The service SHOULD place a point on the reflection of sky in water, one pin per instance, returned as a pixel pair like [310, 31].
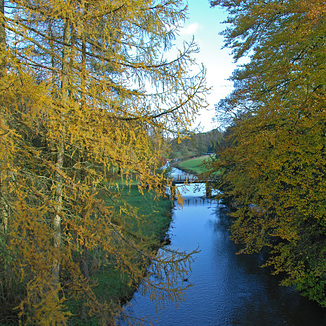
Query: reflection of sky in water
[192, 190]
[228, 289]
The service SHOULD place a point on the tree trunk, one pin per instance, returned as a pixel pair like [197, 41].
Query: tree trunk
[2, 35]
[4, 209]
[60, 155]
[57, 217]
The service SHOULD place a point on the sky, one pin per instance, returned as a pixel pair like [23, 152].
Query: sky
[205, 23]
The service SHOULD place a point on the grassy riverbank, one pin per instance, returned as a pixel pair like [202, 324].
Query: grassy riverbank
[194, 165]
[114, 285]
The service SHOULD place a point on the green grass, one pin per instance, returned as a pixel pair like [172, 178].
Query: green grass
[154, 221]
[155, 213]
[110, 284]
[194, 165]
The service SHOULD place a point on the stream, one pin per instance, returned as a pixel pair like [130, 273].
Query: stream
[228, 289]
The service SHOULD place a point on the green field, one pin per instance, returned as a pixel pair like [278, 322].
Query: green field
[194, 165]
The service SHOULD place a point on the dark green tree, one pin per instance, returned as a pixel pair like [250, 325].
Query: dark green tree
[273, 163]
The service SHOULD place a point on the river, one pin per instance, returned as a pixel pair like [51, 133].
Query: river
[228, 289]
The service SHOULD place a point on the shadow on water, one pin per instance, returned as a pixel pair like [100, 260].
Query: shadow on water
[260, 300]
[228, 289]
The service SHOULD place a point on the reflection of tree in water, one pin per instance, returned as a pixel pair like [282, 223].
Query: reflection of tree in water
[196, 190]
[197, 201]
[223, 219]
[228, 289]
[260, 299]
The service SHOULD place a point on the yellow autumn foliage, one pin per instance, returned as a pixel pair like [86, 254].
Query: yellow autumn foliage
[87, 99]
[273, 160]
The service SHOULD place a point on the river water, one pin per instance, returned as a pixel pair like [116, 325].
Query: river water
[228, 289]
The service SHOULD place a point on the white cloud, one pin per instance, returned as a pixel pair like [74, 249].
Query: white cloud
[190, 29]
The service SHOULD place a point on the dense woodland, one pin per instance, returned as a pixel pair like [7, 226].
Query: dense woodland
[195, 144]
[273, 160]
[87, 99]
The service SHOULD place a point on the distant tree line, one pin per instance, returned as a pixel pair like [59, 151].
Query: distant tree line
[195, 144]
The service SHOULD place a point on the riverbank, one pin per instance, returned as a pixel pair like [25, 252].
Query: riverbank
[114, 285]
[193, 165]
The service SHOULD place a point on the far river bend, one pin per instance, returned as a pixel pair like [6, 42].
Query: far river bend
[228, 289]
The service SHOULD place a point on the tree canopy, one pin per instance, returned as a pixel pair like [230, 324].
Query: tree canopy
[195, 144]
[273, 162]
[87, 98]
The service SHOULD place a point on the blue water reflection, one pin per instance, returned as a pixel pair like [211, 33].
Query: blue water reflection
[228, 289]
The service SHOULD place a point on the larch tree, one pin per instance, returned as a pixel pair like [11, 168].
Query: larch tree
[87, 95]
[273, 164]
